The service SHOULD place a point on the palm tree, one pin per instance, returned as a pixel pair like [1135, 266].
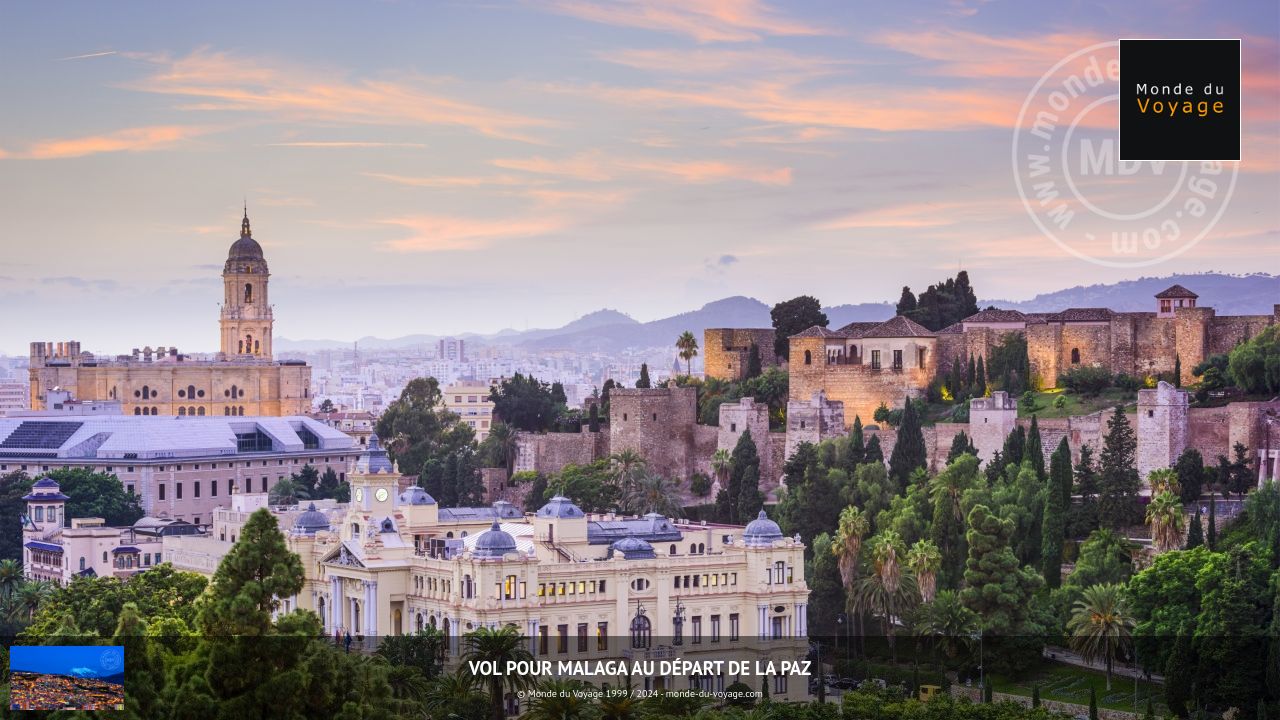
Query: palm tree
[688, 346]
[1167, 520]
[886, 554]
[559, 699]
[652, 493]
[848, 542]
[1100, 625]
[10, 577]
[451, 691]
[29, 597]
[623, 707]
[948, 621]
[888, 591]
[1164, 479]
[721, 463]
[626, 465]
[504, 439]
[500, 646]
[924, 559]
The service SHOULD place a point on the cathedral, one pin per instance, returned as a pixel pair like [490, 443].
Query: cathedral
[241, 379]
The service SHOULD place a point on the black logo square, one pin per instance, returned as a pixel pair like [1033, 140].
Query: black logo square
[1179, 99]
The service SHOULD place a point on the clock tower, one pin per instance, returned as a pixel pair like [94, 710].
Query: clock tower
[246, 311]
[374, 482]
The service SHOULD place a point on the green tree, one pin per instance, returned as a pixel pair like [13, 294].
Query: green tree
[499, 646]
[1034, 452]
[1167, 521]
[526, 403]
[287, 492]
[847, 543]
[997, 588]
[909, 452]
[326, 406]
[874, 454]
[1254, 365]
[1105, 557]
[308, 479]
[906, 302]
[793, 316]
[644, 381]
[593, 423]
[1015, 447]
[1009, 366]
[1118, 481]
[1100, 626]
[95, 494]
[1211, 537]
[1190, 469]
[687, 344]
[417, 428]
[960, 444]
[947, 490]
[942, 303]
[743, 458]
[924, 559]
[1055, 515]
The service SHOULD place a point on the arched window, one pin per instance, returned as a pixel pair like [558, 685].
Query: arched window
[104, 556]
[182, 411]
[468, 587]
[702, 548]
[200, 411]
[191, 391]
[248, 342]
[191, 411]
[1075, 356]
[248, 292]
[146, 392]
[240, 348]
[419, 623]
[673, 550]
[82, 563]
[257, 347]
[808, 358]
[137, 411]
[39, 513]
[641, 632]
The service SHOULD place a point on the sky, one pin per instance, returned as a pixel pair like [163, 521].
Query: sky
[452, 167]
[79, 660]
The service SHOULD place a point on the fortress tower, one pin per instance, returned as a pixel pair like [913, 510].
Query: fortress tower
[1162, 428]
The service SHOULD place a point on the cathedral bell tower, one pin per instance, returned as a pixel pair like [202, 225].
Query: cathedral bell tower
[246, 310]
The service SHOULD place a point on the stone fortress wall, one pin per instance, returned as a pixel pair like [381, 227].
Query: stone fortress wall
[725, 351]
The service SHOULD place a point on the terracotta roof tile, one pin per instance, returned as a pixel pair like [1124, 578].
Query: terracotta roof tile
[996, 315]
[1176, 291]
[899, 327]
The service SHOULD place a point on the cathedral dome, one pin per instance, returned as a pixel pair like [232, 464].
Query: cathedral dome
[246, 248]
[761, 532]
[494, 543]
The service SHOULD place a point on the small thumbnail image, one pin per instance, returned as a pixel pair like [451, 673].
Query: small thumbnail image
[66, 677]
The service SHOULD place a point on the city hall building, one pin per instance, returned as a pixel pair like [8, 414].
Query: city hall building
[578, 586]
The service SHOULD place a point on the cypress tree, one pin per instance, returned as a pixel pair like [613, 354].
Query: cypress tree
[1055, 515]
[971, 374]
[1118, 481]
[986, 691]
[909, 451]
[1177, 371]
[1211, 537]
[857, 447]
[994, 469]
[1035, 696]
[956, 382]
[1093, 704]
[1195, 533]
[744, 457]
[1150, 714]
[593, 418]
[980, 378]
[751, 501]
[754, 365]
[874, 453]
[1015, 447]
[960, 445]
[1034, 450]
[643, 382]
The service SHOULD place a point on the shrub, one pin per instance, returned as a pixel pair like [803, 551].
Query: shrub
[1087, 380]
[1128, 382]
[700, 485]
[1060, 402]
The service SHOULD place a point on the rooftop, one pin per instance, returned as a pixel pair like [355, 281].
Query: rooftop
[1175, 291]
[142, 437]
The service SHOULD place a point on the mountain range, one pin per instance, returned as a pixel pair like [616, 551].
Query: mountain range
[611, 331]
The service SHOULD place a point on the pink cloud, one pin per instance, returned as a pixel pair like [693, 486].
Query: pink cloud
[703, 20]
[140, 139]
[301, 94]
[595, 166]
[454, 181]
[440, 233]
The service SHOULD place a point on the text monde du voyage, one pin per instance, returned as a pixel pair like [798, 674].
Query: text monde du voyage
[1179, 99]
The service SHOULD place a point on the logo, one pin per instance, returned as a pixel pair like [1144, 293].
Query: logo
[111, 659]
[1079, 193]
[1180, 100]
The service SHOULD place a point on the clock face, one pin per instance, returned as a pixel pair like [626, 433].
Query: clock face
[381, 494]
[359, 494]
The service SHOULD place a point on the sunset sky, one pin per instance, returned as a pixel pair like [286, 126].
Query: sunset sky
[453, 167]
